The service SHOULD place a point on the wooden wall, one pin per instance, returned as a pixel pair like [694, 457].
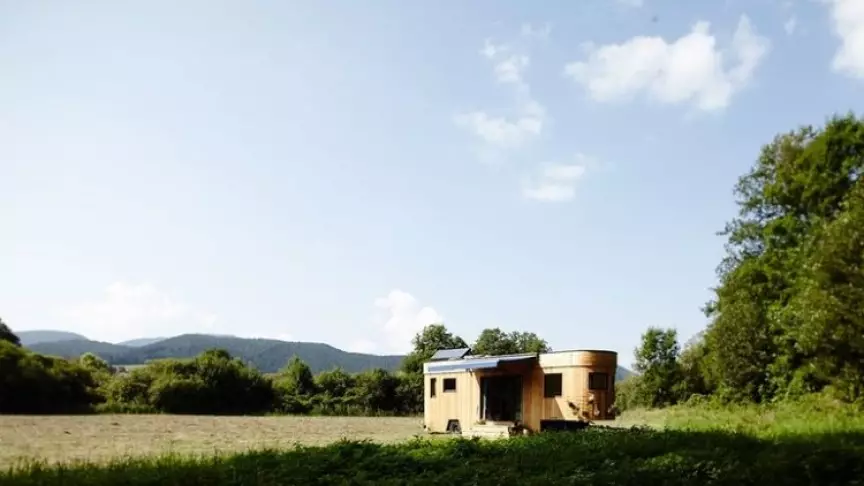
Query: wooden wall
[574, 366]
[438, 410]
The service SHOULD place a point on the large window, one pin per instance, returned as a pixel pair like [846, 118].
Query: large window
[432, 382]
[552, 385]
[598, 381]
[449, 384]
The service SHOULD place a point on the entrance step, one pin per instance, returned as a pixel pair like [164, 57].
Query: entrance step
[489, 431]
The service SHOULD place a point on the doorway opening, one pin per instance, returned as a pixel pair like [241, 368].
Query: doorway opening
[501, 398]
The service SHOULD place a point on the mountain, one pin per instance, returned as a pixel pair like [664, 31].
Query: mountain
[76, 347]
[268, 355]
[137, 343]
[35, 337]
[623, 373]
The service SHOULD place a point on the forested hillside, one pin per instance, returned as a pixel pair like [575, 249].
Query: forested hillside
[268, 355]
[29, 338]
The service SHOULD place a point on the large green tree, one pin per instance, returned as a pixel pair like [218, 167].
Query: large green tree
[495, 342]
[432, 338]
[657, 363]
[790, 270]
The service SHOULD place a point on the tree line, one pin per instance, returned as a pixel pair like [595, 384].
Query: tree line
[215, 382]
[787, 317]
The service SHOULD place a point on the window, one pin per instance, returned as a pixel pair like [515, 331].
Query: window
[552, 385]
[598, 381]
[449, 384]
[432, 387]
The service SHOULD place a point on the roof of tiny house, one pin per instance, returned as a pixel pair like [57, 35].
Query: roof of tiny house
[476, 362]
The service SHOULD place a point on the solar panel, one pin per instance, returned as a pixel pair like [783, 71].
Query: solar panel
[446, 354]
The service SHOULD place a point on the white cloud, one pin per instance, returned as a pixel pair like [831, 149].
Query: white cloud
[491, 51]
[510, 70]
[519, 126]
[405, 318]
[690, 69]
[848, 19]
[362, 346]
[505, 132]
[557, 182]
[532, 32]
[128, 311]
[791, 25]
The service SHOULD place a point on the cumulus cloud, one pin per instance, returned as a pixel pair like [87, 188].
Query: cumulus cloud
[504, 132]
[532, 32]
[556, 182]
[127, 311]
[518, 126]
[791, 25]
[848, 20]
[405, 317]
[690, 69]
[510, 70]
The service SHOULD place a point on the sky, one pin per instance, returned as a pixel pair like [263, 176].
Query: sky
[348, 172]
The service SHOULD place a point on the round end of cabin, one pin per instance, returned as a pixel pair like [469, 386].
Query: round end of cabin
[597, 358]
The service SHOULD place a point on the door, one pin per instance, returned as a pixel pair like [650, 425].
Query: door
[501, 398]
[599, 385]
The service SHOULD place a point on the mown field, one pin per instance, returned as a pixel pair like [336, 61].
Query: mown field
[807, 444]
[101, 438]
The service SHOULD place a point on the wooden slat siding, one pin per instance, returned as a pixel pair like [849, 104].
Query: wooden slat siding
[445, 406]
[574, 366]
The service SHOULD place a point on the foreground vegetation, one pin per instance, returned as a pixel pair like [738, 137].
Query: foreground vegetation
[815, 442]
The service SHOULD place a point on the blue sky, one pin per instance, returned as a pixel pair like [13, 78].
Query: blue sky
[346, 172]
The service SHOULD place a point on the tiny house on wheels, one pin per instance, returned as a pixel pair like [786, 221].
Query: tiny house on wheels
[497, 395]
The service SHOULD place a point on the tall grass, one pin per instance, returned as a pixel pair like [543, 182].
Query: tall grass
[810, 415]
[781, 445]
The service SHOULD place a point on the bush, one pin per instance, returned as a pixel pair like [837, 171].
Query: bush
[32, 383]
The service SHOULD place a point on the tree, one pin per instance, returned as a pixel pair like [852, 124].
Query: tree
[35, 384]
[495, 342]
[657, 362]
[776, 273]
[432, 338]
[7, 335]
[296, 378]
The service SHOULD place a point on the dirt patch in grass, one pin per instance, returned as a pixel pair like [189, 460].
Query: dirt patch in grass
[103, 437]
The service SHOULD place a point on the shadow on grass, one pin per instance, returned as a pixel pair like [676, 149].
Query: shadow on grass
[596, 457]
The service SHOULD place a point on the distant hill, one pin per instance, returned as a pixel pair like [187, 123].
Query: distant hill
[623, 373]
[35, 337]
[137, 343]
[268, 355]
[76, 347]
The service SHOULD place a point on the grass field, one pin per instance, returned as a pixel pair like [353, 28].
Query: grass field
[100, 438]
[808, 443]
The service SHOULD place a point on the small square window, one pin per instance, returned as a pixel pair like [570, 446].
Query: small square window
[432, 382]
[552, 385]
[449, 384]
[598, 381]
